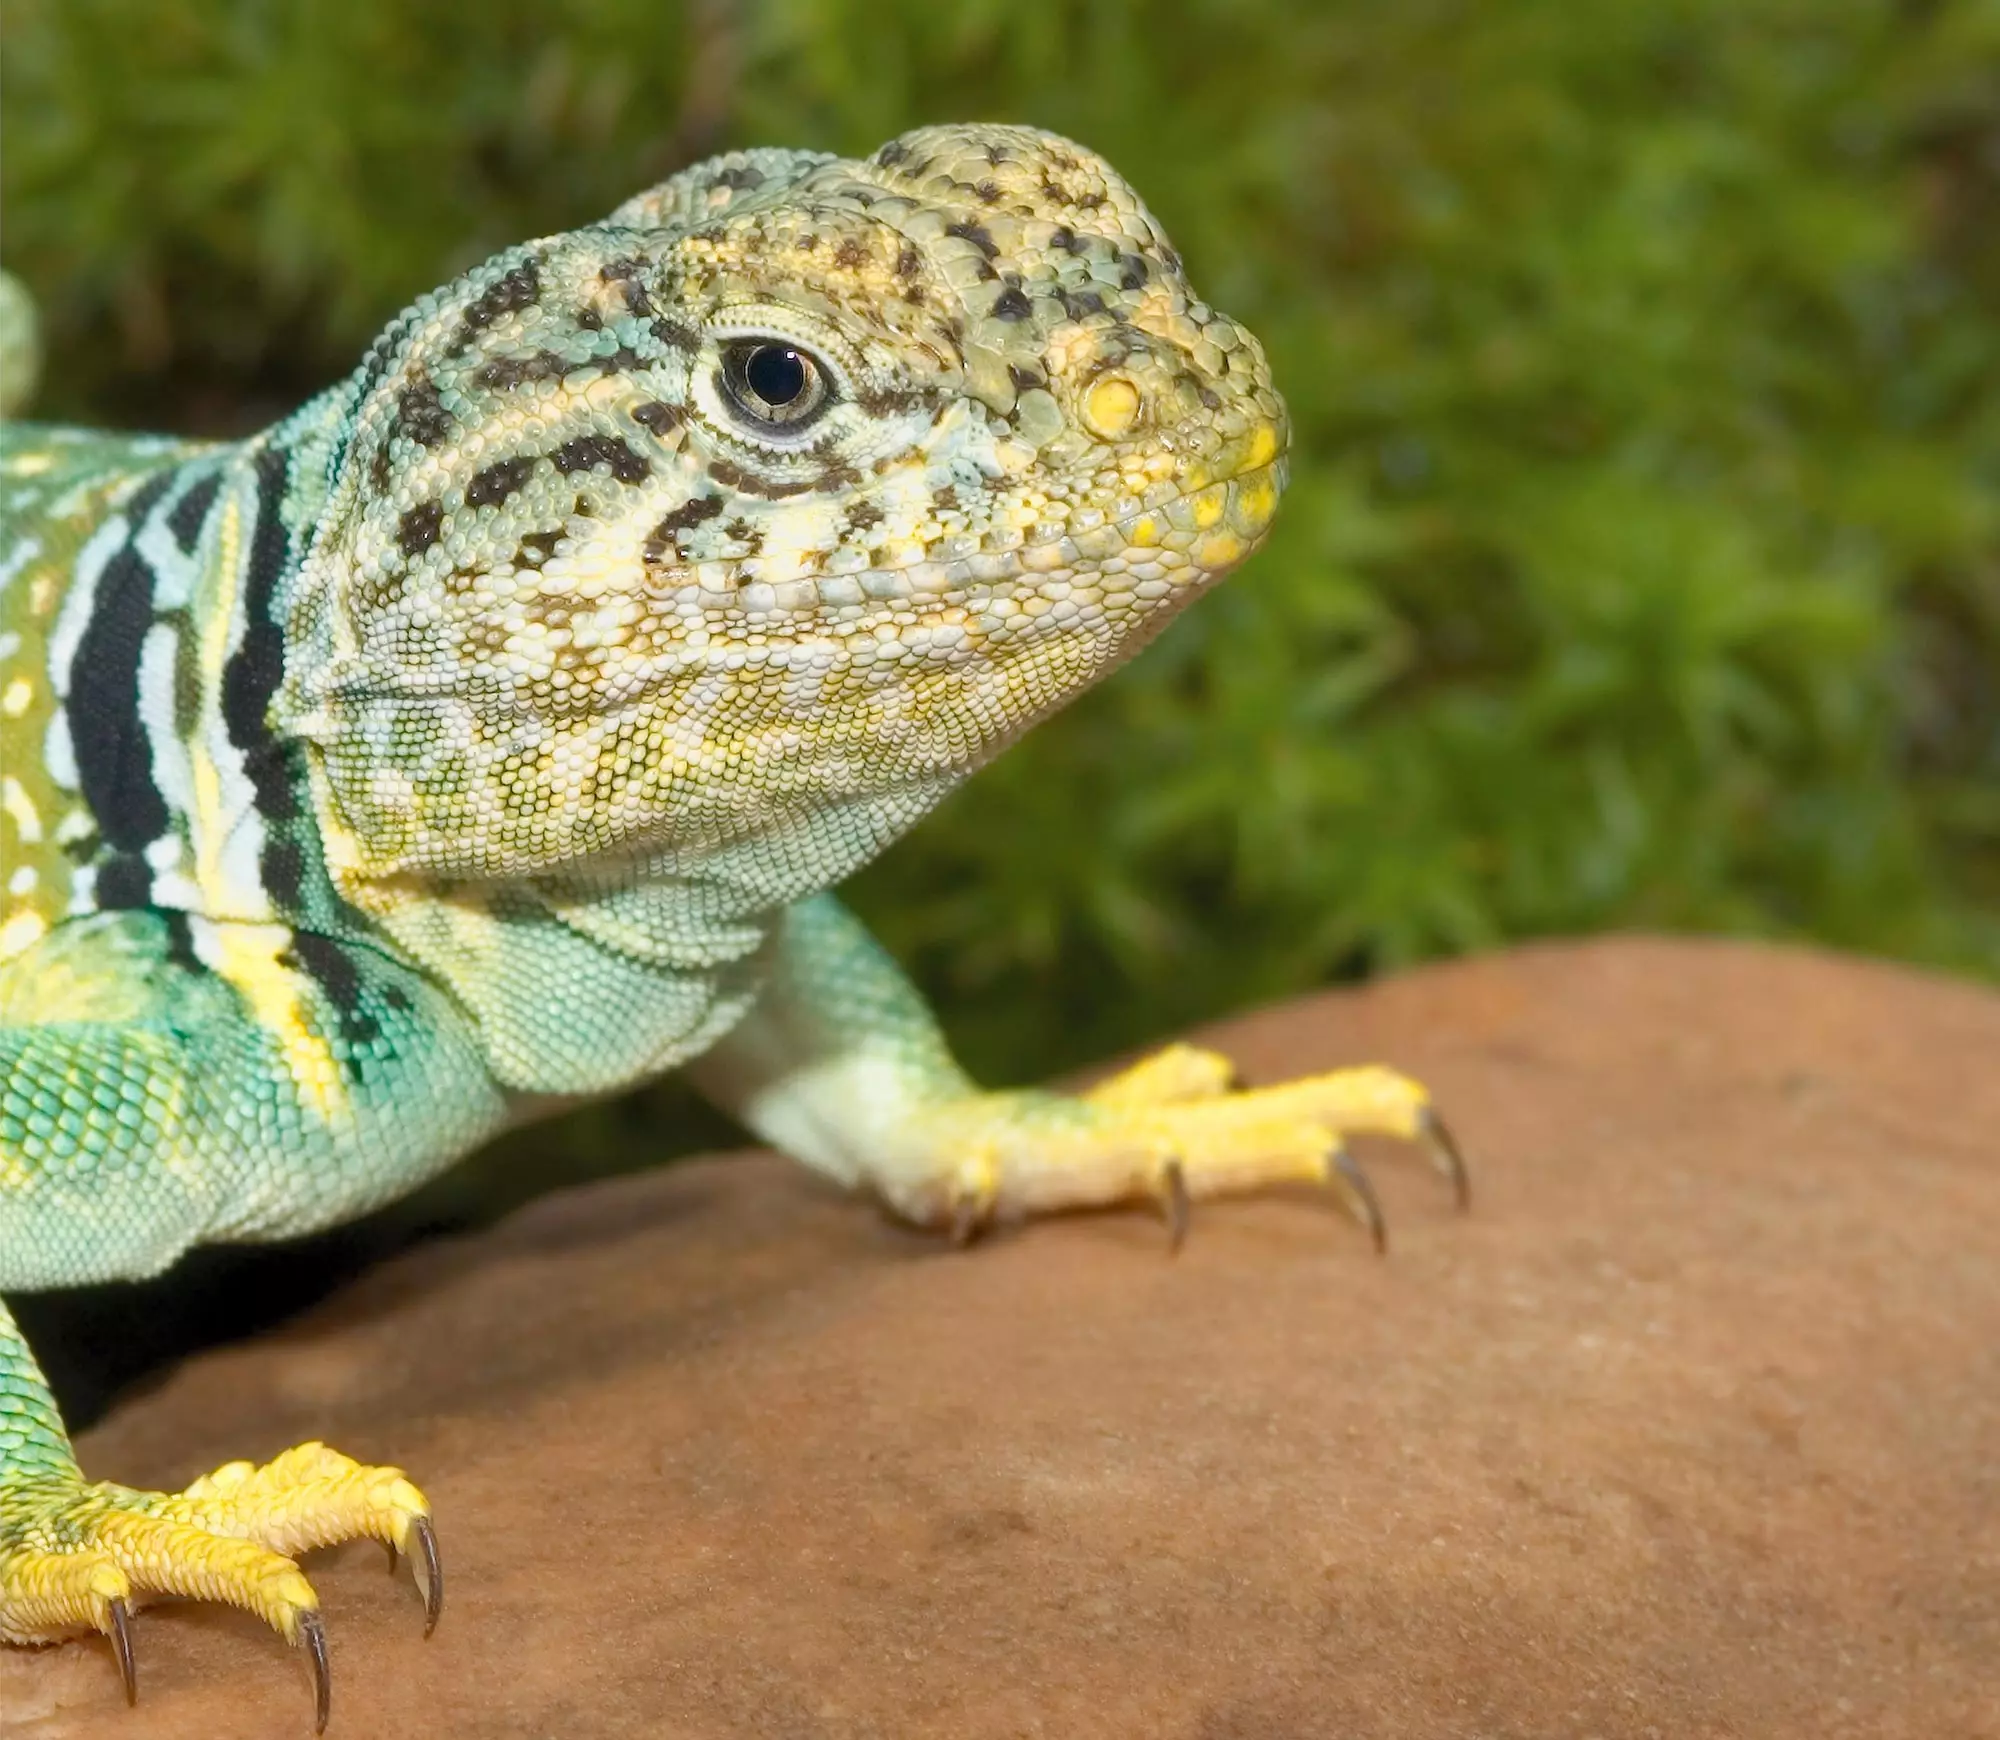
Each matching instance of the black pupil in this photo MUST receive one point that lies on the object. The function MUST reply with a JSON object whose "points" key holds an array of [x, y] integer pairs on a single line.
{"points": [[776, 374]]}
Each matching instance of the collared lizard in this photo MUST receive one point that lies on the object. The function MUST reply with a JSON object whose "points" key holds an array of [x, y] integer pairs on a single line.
{"points": [[487, 735]]}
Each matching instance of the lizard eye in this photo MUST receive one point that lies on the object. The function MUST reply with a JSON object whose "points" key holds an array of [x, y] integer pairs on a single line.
{"points": [[774, 384]]}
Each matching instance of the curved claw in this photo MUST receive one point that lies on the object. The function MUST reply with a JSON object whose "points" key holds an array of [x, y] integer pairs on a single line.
{"points": [[1445, 1156], [1174, 1180], [430, 1571], [968, 1221], [1345, 1173], [312, 1639], [120, 1626]]}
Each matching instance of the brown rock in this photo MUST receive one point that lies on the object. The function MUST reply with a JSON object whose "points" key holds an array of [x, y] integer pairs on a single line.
{"points": [[1692, 1429]]}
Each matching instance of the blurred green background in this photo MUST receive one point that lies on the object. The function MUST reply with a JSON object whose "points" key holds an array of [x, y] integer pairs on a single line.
{"points": [[1642, 562]]}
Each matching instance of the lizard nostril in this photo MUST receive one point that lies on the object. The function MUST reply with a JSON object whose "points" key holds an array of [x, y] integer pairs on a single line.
{"points": [[1111, 407]]}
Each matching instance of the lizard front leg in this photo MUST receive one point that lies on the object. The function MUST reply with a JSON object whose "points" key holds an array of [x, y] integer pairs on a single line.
{"points": [[78, 1555], [842, 1065], [237, 1097]]}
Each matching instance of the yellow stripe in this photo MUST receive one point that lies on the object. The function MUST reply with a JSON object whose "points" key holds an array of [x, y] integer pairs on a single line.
{"points": [[220, 612], [249, 961]]}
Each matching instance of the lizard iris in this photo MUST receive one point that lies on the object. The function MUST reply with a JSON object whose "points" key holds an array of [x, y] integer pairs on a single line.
{"points": [[489, 732], [773, 383]]}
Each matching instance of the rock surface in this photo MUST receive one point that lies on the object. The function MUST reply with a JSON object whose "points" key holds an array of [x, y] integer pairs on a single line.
{"points": [[1691, 1429]]}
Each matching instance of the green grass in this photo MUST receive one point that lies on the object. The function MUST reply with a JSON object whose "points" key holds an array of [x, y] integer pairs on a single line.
{"points": [[1642, 564]]}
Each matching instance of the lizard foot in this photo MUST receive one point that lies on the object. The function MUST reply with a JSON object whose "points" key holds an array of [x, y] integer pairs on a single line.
{"points": [[1171, 1129], [78, 1556]]}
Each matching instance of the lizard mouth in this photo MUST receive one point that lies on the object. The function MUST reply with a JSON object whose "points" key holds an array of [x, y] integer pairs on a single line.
{"points": [[1176, 545]]}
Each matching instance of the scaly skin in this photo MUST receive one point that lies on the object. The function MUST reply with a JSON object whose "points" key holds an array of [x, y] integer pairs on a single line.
{"points": [[488, 733]]}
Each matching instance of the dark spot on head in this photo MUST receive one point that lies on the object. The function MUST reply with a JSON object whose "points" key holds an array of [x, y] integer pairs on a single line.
{"points": [[622, 361], [739, 178], [1065, 239], [887, 401], [1025, 379], [495, 483], [418, 529], [863, 515], [852, 254], [1080, 304], [626, 274], [989, 192], [1135, 272], [741, 530], [808, 243], [676, 335], [517, 288], [420, 413], [907, 261], [891, 154], [976, 234], [587, 452], [688, 515], [536, 548], [657, 416], [1011, 304], [511, 371], [944, 500], [583, 508], [914, 293], [378, 468], [589, 319]]}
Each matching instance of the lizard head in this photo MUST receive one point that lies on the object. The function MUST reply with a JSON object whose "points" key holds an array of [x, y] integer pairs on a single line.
{"points": [[799, 486]]}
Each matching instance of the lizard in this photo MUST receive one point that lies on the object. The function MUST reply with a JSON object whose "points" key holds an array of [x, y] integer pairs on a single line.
{"points": [[490, 733]]}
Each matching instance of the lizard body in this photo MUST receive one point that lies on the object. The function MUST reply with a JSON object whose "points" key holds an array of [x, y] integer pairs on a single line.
{"points": [[488, 733]]}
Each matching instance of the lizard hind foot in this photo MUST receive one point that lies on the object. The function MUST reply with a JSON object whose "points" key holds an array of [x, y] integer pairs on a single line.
{"points": [[79, 1556]]}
